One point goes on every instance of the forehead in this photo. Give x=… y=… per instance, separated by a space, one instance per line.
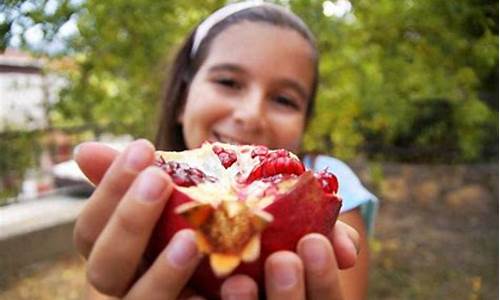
x=255 y=45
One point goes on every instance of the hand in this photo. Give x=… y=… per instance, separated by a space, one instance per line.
x=114 y=227
x=312 y=272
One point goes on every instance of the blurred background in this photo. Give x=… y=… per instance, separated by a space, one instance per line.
x=408 y=97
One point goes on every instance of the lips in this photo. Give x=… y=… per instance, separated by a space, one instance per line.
x=218 y=137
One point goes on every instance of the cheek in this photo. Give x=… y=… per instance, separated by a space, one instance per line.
x=288 y=132
x=203 y=108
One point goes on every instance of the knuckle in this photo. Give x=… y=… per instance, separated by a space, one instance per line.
x=117 y=185
x=131 y=224
x=114 y=184
x=104 y=283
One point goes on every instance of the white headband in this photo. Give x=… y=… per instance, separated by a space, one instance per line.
x=218 y=16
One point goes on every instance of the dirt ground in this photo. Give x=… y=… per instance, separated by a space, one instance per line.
x=418 y=252
x=435 y=252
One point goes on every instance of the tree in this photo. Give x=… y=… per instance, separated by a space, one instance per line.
x=389 y=60
x=404 y=80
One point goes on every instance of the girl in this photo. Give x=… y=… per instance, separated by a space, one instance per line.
x=247 y=75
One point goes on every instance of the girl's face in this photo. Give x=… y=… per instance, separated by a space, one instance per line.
x=253 y=88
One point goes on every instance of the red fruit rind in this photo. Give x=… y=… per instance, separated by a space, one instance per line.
x=240 y=222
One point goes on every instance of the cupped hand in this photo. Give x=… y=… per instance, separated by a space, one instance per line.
x=310 y=273
x=114 y=227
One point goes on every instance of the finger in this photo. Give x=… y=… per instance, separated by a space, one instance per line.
x=94 y=159
x=284 y=276
x=171 y=271
x=346 y=244
x=321 y=269
x=118 y=250
x=239 y=287
x=116 y=181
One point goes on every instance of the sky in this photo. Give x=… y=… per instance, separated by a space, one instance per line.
x=34 y=33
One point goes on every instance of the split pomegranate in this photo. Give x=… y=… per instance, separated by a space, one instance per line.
x=244 y=203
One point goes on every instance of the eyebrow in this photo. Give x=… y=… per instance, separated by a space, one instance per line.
x=299 y=88
x=227 y=67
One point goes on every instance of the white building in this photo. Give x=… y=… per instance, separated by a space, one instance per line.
x=25 y=91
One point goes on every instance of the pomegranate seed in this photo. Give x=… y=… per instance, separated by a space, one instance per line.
x=282 y=153
x=281 y=165
x=259 y=151
x=276 y=163
x=328 y=181
x=255 y=174
x=182 y=174
x=298 y=167
x=269 y=169
x=226 y=157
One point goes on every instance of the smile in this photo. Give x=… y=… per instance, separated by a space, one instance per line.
x=228 y=140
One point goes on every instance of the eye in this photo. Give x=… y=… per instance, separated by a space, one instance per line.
x=228 y=82
x=287 y=102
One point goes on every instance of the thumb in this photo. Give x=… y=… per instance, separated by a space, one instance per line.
x=94 y=159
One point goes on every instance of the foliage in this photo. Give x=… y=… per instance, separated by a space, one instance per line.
x=19 y=151
x=409 y=80
x=400 y=80
x=122 y=56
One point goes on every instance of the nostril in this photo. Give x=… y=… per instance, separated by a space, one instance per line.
x=251 y=119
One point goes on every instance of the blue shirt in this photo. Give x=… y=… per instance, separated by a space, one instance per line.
x=351 y=190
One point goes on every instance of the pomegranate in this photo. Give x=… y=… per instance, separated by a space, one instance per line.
x=244 y=203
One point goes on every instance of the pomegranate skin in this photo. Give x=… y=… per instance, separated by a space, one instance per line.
x=304 y=209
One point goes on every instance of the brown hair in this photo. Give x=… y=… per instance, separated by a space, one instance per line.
x=169 y=135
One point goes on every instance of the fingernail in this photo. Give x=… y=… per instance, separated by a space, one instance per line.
x=284 y=274
x=315 y=253
x=138 y=156
x=182 y=249
x=239 y=287
x=151 y=184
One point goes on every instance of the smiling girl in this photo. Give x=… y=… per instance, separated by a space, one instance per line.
x=246 y=75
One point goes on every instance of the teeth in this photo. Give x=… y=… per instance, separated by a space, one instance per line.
x=226 y=140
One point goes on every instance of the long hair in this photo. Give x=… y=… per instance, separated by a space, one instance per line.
x=169 y=135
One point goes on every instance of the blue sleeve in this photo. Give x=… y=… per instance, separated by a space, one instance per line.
x=351 y=190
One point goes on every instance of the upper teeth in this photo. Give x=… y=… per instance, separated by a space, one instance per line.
x=228 y=140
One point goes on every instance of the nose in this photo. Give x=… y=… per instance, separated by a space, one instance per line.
x=250 y=113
